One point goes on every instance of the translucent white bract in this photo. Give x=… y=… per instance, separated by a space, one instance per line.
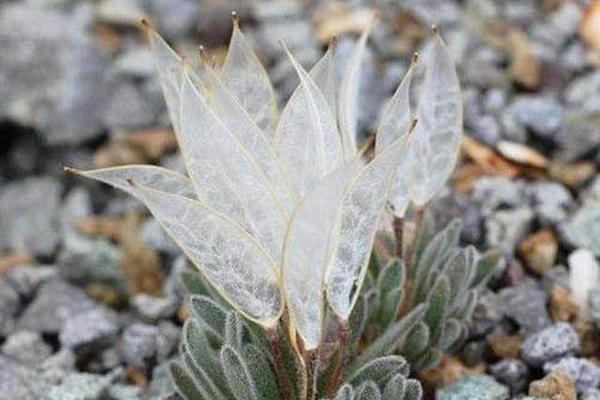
x=308 y=250
x=225 y=175
x=247 y=79
x=439 y=130
x=228 y=256
x=307 y=137
x=361 y=210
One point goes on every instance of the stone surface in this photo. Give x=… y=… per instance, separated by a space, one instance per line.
x=175 y=17
x=28 y=215
x=79 y=386
x=550 y=201
x=504 y=229
x=16 y=381
x=552 y=343
x=26 y=347
x=583 y=229
x=584 y=274
x=542 y=114
x=62 y=100
x=154 y=308
x=138 y=344
x=476 y=387
x=582 y=372
x=54 y=303
x=555 y=386
x=9 y=303
x=89 y=329
x=512 y=373
x=526 y=305
x=28 y=278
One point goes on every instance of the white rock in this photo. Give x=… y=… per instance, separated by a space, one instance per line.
x=584 y=275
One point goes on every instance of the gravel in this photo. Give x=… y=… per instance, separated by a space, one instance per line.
x=583 y=372
x=89 y=329
x=26 y=347
x=476 y=387
x=550 y=344
x=512 y=373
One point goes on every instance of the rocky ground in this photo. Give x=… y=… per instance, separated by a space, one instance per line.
x=90 y=302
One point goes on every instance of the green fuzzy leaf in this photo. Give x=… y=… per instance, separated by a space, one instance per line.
x=380 y=370
x=262 y=372
x=466 y=309
x=451 y=334
x=344 y=393
x=458 y=269
x=390 y=306
x=359 y=319
x=210 y=315
x=434 y=255
x=394 y=389
x=234 y=330
x=374 y=267
x=204 y=382
x=184 y=383
x=424 y=235
x=437 y=305
x=486 y=266
x=197 y=344
x=413 y=390
x=429 y=359
x=391 y=277
x=368 y=391
x=238 y=375
x=417 y=342
x=391 y=339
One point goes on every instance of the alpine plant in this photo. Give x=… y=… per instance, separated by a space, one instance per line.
x=279 y=211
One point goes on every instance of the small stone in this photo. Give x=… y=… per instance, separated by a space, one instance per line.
x=526 y=305
x=474 y=387
x=506 y=346
x=554 y=386
x=124 y=392
x=175 y=18
x=26 y=347
x=557 y=276
x=588 y=337
x=542 y=114
x=138 y=344
x=562 y=306
x=76 y=205
x=499 y=192
x=16 y=381
x=58 y=366
x=55 y=302
x=89 y=329
x=594 y=305
x=583 y=230
x=584 y=273
x=28 y=278
x=539 y=251
x=504 y=229
x=512 y=373
x=85 y=259
x=552 y=343
x=582 y=372
x=551 y=201
x=28 y=211
x=486 y=128
x=128 y=108
x=9 y=303
x=591 y=394
x=167 y=339
x=79 y=386
x=154 y=308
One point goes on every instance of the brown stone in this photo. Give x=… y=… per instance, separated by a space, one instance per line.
x=554 y=386
x=447 y=372
x=589 y=337
x=538 y=251
x=562 y=305
x=506 y=346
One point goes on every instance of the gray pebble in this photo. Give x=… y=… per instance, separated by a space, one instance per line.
x=26 y=279
x=551 y=202
x=138 y=344
x=594 y=305
x=79 y=386
x=474 y=387
x=28 y=215
x=542 y=114
x=54 y=303
x=511 y=372
x=175 y=18
x=550 y=344
x=26 y=347
x=127 y=108
x=9 y=303
x=16 y=381
x=584 y=373
x=506 y=228
x=154 y=308
x=526 y=305
x=89 y=329
x=583 y=229
x=591 y=394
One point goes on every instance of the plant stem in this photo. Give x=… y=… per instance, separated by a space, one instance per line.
x=398 y=232
x=343 y=360
x=311 y=359
x=283 y=380
x=410 y=238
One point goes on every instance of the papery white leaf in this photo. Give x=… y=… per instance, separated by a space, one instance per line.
x=439 y=130
x=396 y=121
x=151 y=176
x=245 y=76
x=170 y=72
x=348 y=97
x=251 y=137
x=307 y=137
x=361 y=210
x=323 y=74
x=225 y=175
x=308 y=250
x=226 y=254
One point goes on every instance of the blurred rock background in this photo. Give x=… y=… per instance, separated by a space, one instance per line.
x=90 y=302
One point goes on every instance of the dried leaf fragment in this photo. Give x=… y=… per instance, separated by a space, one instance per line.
x=522 y=154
